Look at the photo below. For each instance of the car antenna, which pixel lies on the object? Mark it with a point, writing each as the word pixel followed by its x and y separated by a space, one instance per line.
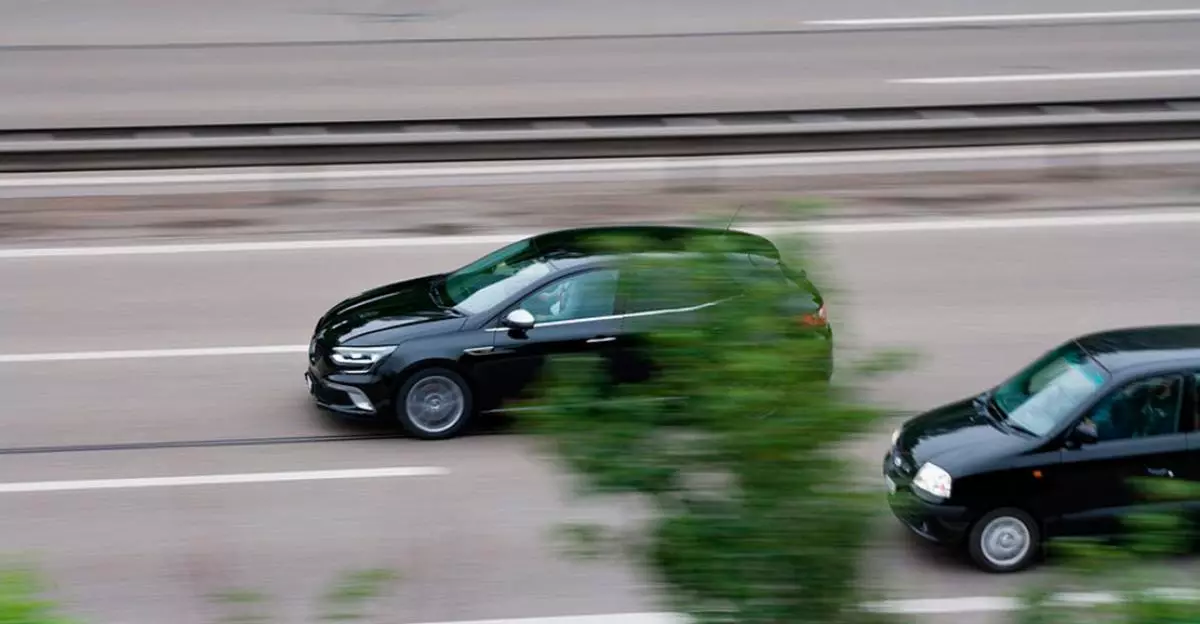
pixel 732 219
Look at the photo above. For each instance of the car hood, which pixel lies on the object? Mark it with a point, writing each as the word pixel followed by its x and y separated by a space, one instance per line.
pixel 959 437
pixel 408 304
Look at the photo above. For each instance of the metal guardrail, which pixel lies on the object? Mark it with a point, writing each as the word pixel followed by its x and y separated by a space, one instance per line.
pixel 597 137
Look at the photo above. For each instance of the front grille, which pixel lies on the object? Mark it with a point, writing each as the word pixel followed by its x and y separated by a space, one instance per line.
pixel 900 462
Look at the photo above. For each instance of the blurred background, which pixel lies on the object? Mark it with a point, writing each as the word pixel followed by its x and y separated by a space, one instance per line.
pixel 185 187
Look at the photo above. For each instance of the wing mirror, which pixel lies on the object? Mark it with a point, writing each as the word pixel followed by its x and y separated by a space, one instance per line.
pixel 519 319
pixel 1084 433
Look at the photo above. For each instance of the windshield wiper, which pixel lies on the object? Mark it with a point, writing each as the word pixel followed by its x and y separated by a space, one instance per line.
pixel 1002 416
pixel 434 294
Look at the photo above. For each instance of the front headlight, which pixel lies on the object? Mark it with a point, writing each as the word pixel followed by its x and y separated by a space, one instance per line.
pixel 359 359
pixel 933 480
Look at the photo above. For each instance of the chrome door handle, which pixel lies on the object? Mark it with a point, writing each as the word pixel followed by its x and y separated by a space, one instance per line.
pixel 1161 472
pixel 604 339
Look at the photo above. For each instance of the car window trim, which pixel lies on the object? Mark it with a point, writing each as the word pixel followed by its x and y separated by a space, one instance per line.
pixel 620 316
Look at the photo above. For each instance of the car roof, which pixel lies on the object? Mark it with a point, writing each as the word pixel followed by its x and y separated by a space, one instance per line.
pixel 651 238
pixel 1129 347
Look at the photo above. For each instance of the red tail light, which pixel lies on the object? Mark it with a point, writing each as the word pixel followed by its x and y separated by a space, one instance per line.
pixel 817 319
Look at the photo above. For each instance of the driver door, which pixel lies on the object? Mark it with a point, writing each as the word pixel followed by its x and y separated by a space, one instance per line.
pixel 1142 435
pixel 575 314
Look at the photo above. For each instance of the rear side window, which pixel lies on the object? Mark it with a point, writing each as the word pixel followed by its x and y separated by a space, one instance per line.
pixel 667 288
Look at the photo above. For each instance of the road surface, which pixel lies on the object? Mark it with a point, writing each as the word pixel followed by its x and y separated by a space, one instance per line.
pixel 472 540
pixel 135 62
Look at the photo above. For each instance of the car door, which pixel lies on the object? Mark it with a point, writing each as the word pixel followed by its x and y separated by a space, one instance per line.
pixel 669 297
pixel 1191 422
pixel 1141 435
pixel 574 314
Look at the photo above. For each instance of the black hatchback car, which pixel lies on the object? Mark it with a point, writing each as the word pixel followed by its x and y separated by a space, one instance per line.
pixel 1055 450
pixel 431 352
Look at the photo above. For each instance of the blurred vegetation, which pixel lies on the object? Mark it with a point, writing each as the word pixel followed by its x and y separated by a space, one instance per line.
pixel 755 520
pixel 21 599
pixel 1126 580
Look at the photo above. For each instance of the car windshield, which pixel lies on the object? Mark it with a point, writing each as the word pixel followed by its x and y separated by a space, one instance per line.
pixel 493 278
pixel 1041 396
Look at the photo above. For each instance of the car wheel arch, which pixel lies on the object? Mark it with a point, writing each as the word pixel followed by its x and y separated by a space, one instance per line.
pixel 407 372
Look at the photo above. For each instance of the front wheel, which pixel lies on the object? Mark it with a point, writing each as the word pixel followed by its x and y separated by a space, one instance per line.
pixel 1005 540
pixel 434 404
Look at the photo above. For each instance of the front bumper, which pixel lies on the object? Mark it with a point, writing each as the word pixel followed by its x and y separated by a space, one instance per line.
pixel 344 399
pixel 934 522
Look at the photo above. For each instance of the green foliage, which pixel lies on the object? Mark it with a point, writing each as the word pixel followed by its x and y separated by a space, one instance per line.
pixel 21 601
pixel 756 521
pixel 349 596
pixel 246 605
pixel 345 600
pixel 1130 569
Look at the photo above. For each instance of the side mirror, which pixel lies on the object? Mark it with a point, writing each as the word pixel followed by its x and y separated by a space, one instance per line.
pixel 1084 433
pixel 519 319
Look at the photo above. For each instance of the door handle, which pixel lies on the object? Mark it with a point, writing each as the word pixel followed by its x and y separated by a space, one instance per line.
pixel 1161 472
pixel 599 340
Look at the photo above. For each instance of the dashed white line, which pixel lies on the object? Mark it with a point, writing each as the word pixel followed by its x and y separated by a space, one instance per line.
pixel 141 354
pixel 220 479
pixel 1108 75
pixel 1007 18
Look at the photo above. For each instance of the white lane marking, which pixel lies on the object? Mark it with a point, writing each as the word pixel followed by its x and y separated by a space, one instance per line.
pixel 1004 18
pixel 141 354
pixel 1107 219
pixel 1004 223
pixel 220 479
pixel 367 172
pixel 302 245
pixel 980 604
pixel 1111 75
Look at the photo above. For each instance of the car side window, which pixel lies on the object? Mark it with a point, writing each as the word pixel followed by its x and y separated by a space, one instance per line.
pixel 667 289
pixel 582 296
pixel 1144 408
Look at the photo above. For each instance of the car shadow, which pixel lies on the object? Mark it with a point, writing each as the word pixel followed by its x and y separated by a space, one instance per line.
pixel 333 423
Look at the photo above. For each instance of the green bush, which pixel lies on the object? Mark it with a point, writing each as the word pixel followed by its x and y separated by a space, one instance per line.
pixel 1130 569
pixel 733 442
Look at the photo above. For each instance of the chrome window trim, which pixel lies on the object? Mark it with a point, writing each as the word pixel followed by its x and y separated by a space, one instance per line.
pixel 612 317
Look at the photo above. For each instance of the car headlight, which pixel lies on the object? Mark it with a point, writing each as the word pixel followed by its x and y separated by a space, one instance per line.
pixel 933 480
pixel 359 359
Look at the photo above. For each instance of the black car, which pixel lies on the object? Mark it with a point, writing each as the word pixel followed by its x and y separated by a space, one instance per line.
pixel 1056 450
pixel 431 352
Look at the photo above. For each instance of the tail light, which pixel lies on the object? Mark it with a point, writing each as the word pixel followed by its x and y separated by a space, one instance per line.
pixel 816 319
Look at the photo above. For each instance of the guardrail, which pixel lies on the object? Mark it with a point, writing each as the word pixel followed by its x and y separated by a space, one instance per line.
pixel 597 137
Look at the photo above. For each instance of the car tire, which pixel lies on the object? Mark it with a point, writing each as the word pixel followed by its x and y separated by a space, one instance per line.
pixel 1005 540
pixel 434 404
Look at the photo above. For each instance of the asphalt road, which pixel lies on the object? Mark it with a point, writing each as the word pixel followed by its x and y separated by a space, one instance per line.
pixel 127 62
pixel 475 542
